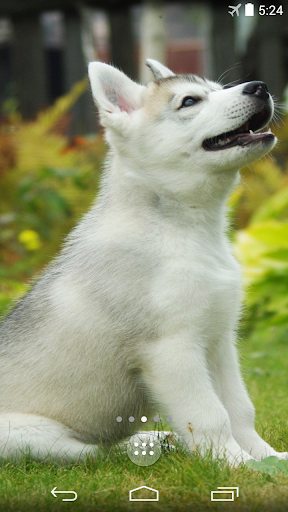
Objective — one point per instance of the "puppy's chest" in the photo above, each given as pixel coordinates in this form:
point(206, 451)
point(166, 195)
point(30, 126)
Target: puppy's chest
point(198, 281)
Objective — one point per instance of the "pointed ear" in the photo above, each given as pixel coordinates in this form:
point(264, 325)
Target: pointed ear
point(158, 70)
point(112, 90)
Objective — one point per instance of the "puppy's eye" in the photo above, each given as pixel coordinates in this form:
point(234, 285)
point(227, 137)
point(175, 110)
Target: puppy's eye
point(188, 101)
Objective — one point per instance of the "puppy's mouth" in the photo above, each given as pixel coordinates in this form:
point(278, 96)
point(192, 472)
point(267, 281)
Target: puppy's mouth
point(243, 135)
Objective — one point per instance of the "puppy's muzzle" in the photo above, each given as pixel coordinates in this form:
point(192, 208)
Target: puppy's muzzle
point(245, 134)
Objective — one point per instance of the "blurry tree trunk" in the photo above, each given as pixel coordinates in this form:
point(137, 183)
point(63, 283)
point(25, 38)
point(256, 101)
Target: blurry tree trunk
point(223, 57)
point(28, 64)
point(88, 41)
point(122, 46)
point(83, 114)
point(153, 37)
point(207, 39)
point(265, 55)
point(271, 53)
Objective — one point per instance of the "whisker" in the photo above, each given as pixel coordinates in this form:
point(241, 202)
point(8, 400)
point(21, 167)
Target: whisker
point(225, 73)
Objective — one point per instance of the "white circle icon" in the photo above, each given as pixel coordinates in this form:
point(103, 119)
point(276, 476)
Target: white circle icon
point(144, 456)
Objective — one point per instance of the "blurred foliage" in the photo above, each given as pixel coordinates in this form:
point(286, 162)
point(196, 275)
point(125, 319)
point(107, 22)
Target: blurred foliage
point(47, 181)
point(261, 240)
point(270, 465)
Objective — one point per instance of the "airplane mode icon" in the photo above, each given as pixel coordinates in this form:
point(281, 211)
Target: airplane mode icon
point(235, 8)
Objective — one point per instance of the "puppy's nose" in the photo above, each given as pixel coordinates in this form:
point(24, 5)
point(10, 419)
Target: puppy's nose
point(257, 88)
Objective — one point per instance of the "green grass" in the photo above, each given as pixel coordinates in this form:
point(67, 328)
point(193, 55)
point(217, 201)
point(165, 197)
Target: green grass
point(184, 481)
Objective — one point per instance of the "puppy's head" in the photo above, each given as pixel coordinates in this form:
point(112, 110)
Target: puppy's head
point(181, 129)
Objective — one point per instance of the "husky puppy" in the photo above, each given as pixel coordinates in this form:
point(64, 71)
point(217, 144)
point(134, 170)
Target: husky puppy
point(138, 312)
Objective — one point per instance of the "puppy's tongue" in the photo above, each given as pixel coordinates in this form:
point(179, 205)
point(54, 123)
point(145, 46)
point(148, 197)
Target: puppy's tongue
point(240, 137)
point(246, 138)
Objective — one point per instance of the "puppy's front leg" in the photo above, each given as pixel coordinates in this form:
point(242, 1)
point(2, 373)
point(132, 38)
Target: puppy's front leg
point(175, 371)
point(234, 396)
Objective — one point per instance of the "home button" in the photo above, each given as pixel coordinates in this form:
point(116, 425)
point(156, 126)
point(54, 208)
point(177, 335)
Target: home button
point(143, 493)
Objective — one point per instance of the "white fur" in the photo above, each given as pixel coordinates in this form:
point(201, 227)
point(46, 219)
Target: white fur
point(138, 313)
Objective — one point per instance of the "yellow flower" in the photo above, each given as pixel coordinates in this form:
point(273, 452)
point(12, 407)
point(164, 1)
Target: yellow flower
point(30, 239)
